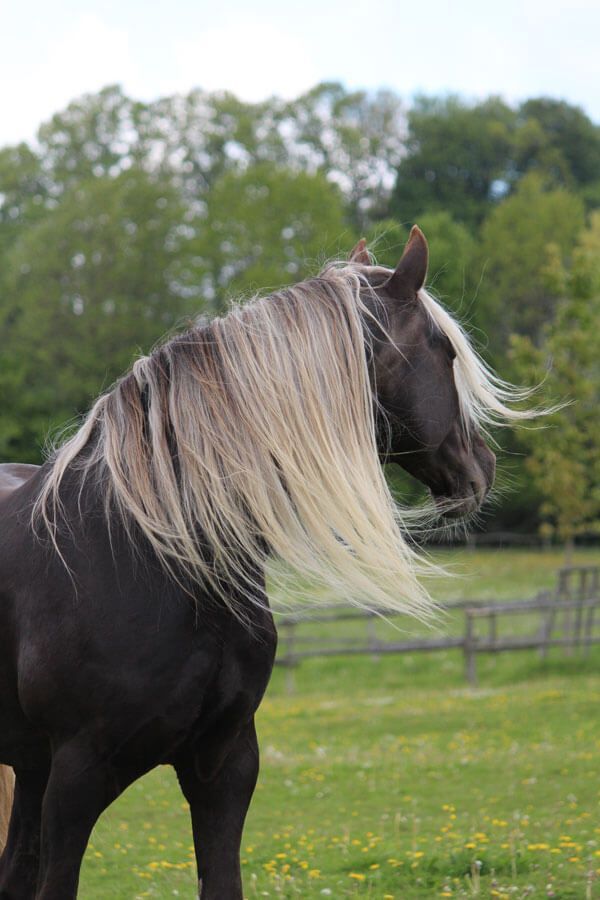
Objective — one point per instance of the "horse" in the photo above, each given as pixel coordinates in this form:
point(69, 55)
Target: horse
point(135, 628)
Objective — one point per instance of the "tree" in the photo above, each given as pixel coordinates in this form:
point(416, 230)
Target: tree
point(465, 158)
point(85, 287)
point(560, 141)
point(514, 252)
point(564, 461)
point(355, 138)
point(457, 160)
point(264, 228)
point(93, 137)
point(24, 194)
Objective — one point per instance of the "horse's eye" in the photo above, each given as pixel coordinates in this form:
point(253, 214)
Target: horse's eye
point(446, 345)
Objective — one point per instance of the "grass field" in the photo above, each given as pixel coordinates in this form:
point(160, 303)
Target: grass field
point(391, 779)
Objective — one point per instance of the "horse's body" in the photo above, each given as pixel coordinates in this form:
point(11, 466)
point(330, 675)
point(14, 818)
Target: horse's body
point(106, 667)
point(14, 476)
point(123, 675)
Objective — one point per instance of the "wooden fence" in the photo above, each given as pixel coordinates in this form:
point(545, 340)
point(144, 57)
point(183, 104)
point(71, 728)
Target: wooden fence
point(567, 617)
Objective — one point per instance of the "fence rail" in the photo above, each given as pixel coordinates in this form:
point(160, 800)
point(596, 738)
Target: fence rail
point(565, 617)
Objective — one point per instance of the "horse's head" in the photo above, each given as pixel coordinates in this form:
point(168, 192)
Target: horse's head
point(423, 423)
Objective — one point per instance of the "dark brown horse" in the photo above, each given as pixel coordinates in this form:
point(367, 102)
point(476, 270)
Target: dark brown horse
point(134, 625)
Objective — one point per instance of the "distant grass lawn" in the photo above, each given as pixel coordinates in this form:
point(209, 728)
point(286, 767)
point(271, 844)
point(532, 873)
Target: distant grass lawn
point(391, 779)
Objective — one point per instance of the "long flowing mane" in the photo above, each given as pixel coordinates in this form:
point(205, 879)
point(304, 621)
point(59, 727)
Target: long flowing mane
point(254, 436)
point(484, 397)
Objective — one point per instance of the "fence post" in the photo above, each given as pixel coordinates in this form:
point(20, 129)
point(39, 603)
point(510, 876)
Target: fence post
point(372, 638)
point(547, 628)
point(469, 649)
point(566, 592)
point(589, 629)
point(578, 622)
point(493, 629)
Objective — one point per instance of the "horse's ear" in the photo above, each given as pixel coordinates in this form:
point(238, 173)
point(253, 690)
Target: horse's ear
point(410, 273)
point(360, 254)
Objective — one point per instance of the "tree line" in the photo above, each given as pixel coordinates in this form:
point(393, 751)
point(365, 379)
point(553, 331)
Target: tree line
point(125, 219)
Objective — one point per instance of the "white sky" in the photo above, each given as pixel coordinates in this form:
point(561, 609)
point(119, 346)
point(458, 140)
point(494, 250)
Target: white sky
point(51, 52)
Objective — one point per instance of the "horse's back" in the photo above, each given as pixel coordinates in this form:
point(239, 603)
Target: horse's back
point(13, 476)
point(19, 486)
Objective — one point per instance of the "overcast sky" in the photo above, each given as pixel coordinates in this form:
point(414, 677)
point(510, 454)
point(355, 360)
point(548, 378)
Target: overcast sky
point(51, 52)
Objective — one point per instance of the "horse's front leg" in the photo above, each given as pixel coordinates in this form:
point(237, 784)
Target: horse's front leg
point(79, 788)
point(20, 861)
point(219, 795)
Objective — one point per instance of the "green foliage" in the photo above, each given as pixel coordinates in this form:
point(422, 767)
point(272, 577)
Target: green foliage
point(465, 158)
point(264, 228)
point(564, 460)
point(23, 193)
point(88, 138)
point(560, 141)
point(516, 243)
point(85, 287)
point(354, 137)
point(457, 157)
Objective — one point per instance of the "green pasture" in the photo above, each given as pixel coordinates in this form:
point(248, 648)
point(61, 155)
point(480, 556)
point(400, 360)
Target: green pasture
point(390, 778)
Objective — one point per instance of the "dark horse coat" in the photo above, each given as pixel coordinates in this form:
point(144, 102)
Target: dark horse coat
point(124, 673)
point(107, 667)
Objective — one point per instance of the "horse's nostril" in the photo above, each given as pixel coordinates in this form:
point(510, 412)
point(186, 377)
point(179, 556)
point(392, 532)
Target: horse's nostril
point(479, 489)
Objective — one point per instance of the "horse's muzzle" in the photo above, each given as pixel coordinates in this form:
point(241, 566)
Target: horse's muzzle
point(472, 486)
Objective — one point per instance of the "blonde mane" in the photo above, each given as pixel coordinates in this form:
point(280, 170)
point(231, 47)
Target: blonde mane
point(253, 436)
point(484, 397)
